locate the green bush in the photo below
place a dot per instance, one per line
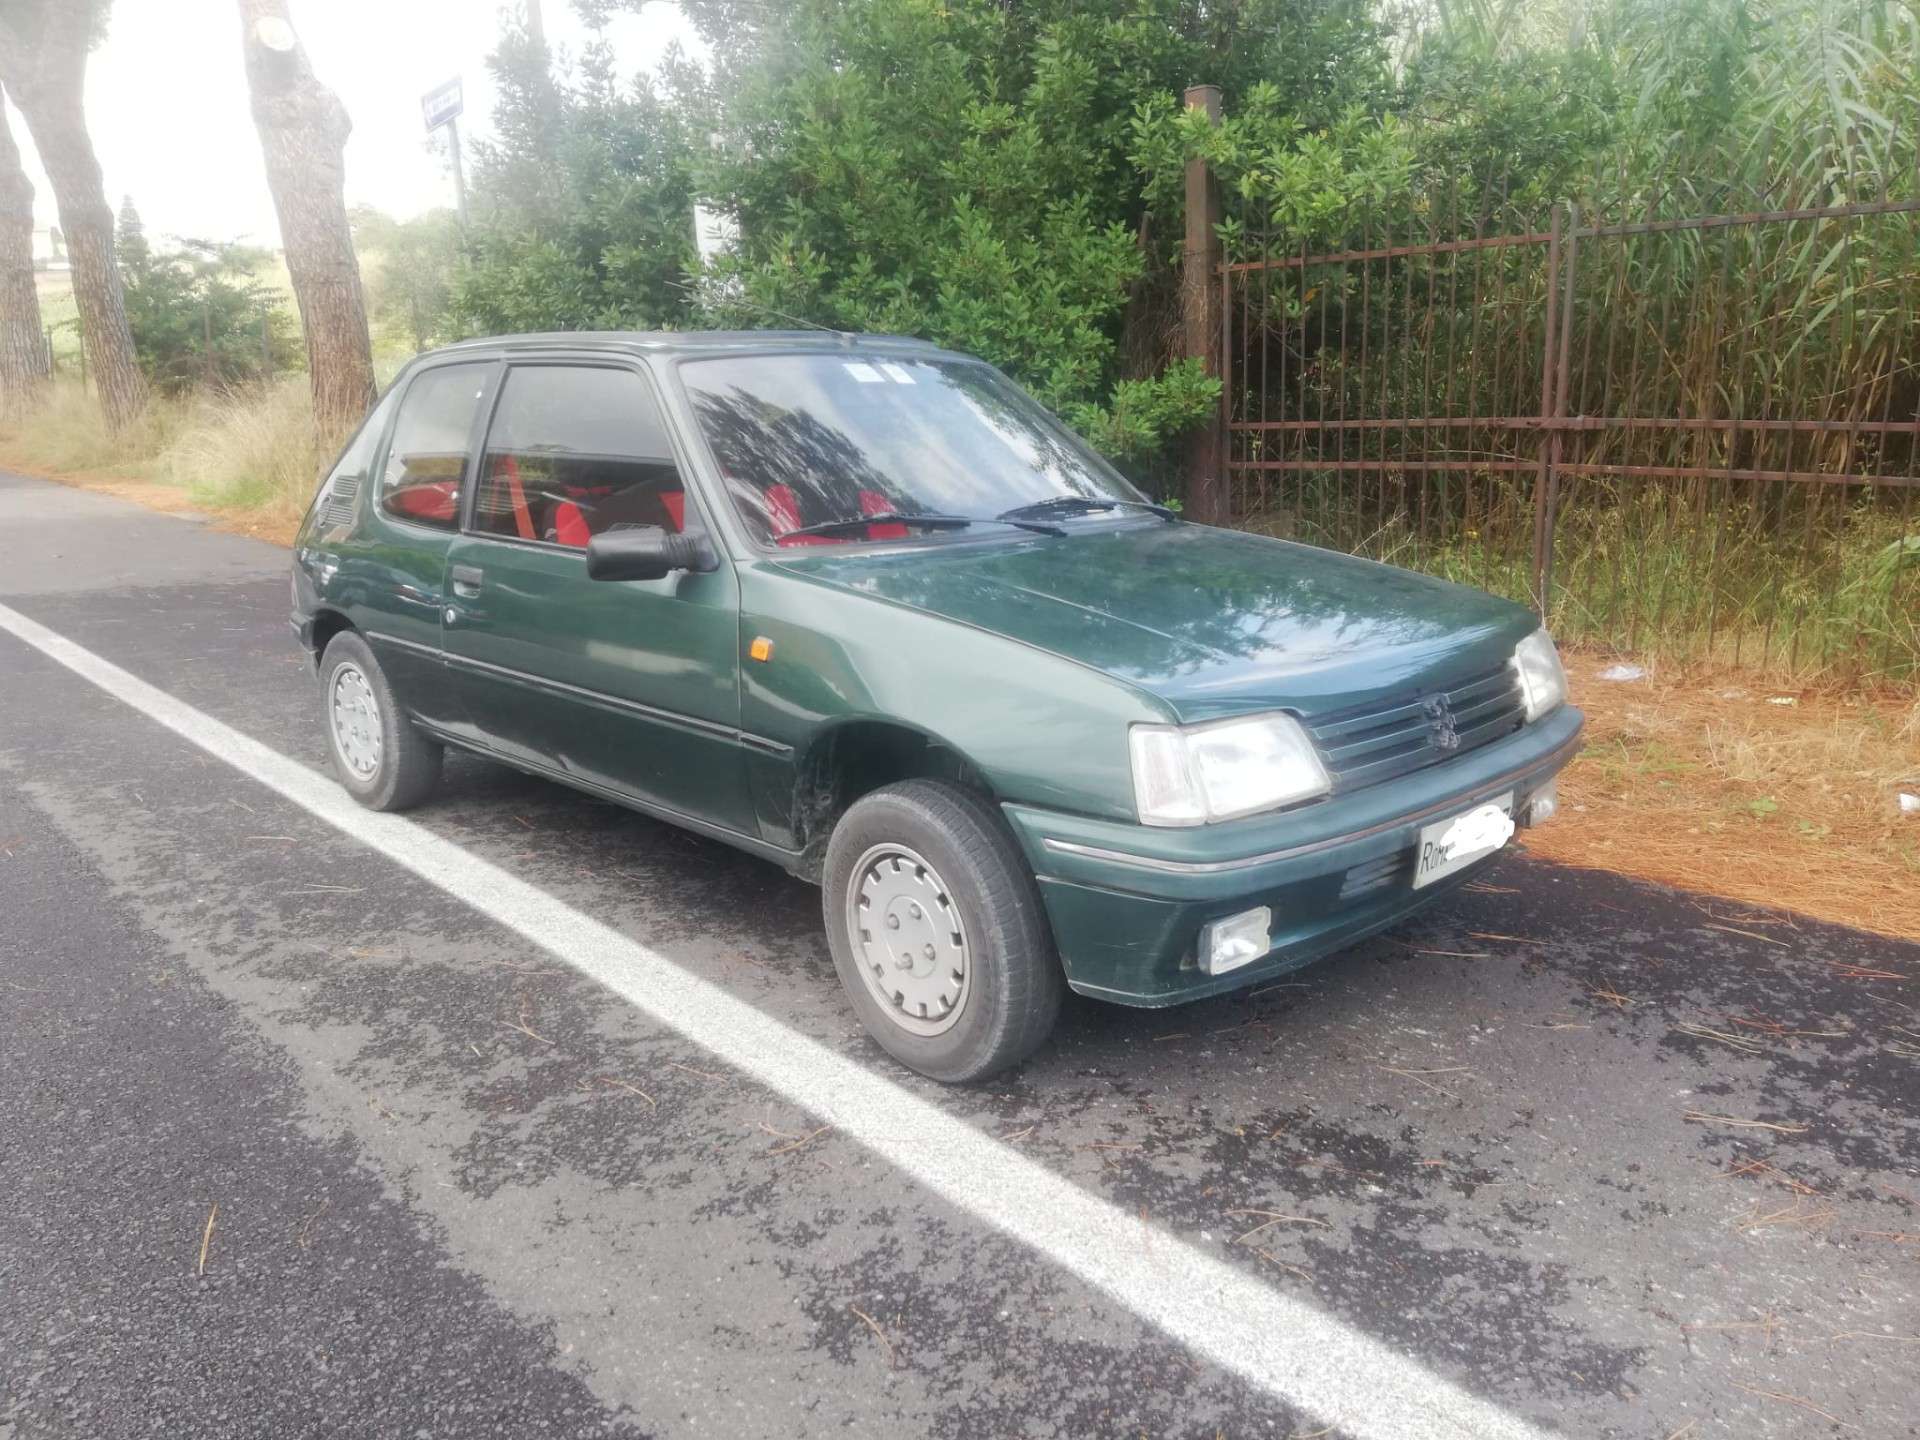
(958, 171)
(409, 267)
(583, 203)
(200, 315)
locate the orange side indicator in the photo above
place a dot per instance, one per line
(761, 648)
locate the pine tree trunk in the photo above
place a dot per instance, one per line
(43, 65)
(23, 344)
(303, 134)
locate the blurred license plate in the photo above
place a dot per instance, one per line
(1457, 841)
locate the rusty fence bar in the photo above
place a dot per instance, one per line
(1553, 393)
(1391, 252)
(1717, 436)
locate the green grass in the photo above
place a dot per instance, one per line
(1801, 584)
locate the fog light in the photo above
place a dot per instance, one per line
(1545, 804)
(1235, 941)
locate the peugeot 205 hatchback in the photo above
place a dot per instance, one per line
(859, 606)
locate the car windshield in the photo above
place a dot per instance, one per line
(820, 442)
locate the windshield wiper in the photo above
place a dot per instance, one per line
(925, 522)
(1065, 505)
(883, 517)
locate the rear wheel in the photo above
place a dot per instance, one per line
(938, 932)
(384, 762)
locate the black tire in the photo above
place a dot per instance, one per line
(408, 764)
(1015, 984)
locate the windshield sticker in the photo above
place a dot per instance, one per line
(897, 373)
(864, 373)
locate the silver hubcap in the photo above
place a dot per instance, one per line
(908, 939)
(356, 721)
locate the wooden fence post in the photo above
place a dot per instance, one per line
(1207, 500)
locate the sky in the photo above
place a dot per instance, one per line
(167, 102)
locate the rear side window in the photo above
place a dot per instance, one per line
(431, 439)
(574, 451)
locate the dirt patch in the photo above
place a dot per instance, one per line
(1712, 780)
(170, 499)
(274, 527)
(154, 494)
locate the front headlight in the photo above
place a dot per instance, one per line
(1196, 774)
(1543, 684)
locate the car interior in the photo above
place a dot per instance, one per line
(567, 499)
(427, 488)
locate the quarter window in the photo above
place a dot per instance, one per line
(340, 491)
(431, 441)
(576, 450)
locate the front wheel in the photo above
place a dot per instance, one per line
(938, 933)
(384, 762)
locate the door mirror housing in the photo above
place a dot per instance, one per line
(647, 552)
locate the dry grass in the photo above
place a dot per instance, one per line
(1695, 778)
(67, 434)
(251, 456)
(248, 458)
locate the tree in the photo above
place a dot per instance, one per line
(525, 181)
(23, 345)
(303, 134)
(410, 266)
(963, 172)
(43, 64)
(605, 241)
(130, 233)
(199, 312)
(957, 170)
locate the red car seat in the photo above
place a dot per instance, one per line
(570, 525)
(436, 501)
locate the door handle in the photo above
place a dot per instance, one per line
(466, 580)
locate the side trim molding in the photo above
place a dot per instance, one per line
(596, 697)
(752, 844)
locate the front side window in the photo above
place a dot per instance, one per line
(431, 439)
(574, 451)
(811, 440)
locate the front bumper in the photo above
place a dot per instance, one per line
(1127, 901)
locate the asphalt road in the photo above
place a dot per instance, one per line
(1614, 1159)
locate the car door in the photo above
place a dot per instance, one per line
(631, 686)
(393, 575)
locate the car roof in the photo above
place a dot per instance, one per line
(695, 342)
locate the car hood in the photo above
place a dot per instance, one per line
(1213, 622)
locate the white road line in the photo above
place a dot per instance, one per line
(1295, 1351)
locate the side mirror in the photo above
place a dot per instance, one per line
(646, 552)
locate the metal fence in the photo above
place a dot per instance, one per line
(1689, 434)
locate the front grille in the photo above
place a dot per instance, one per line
(1376, 742)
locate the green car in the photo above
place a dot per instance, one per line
(859, 606)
